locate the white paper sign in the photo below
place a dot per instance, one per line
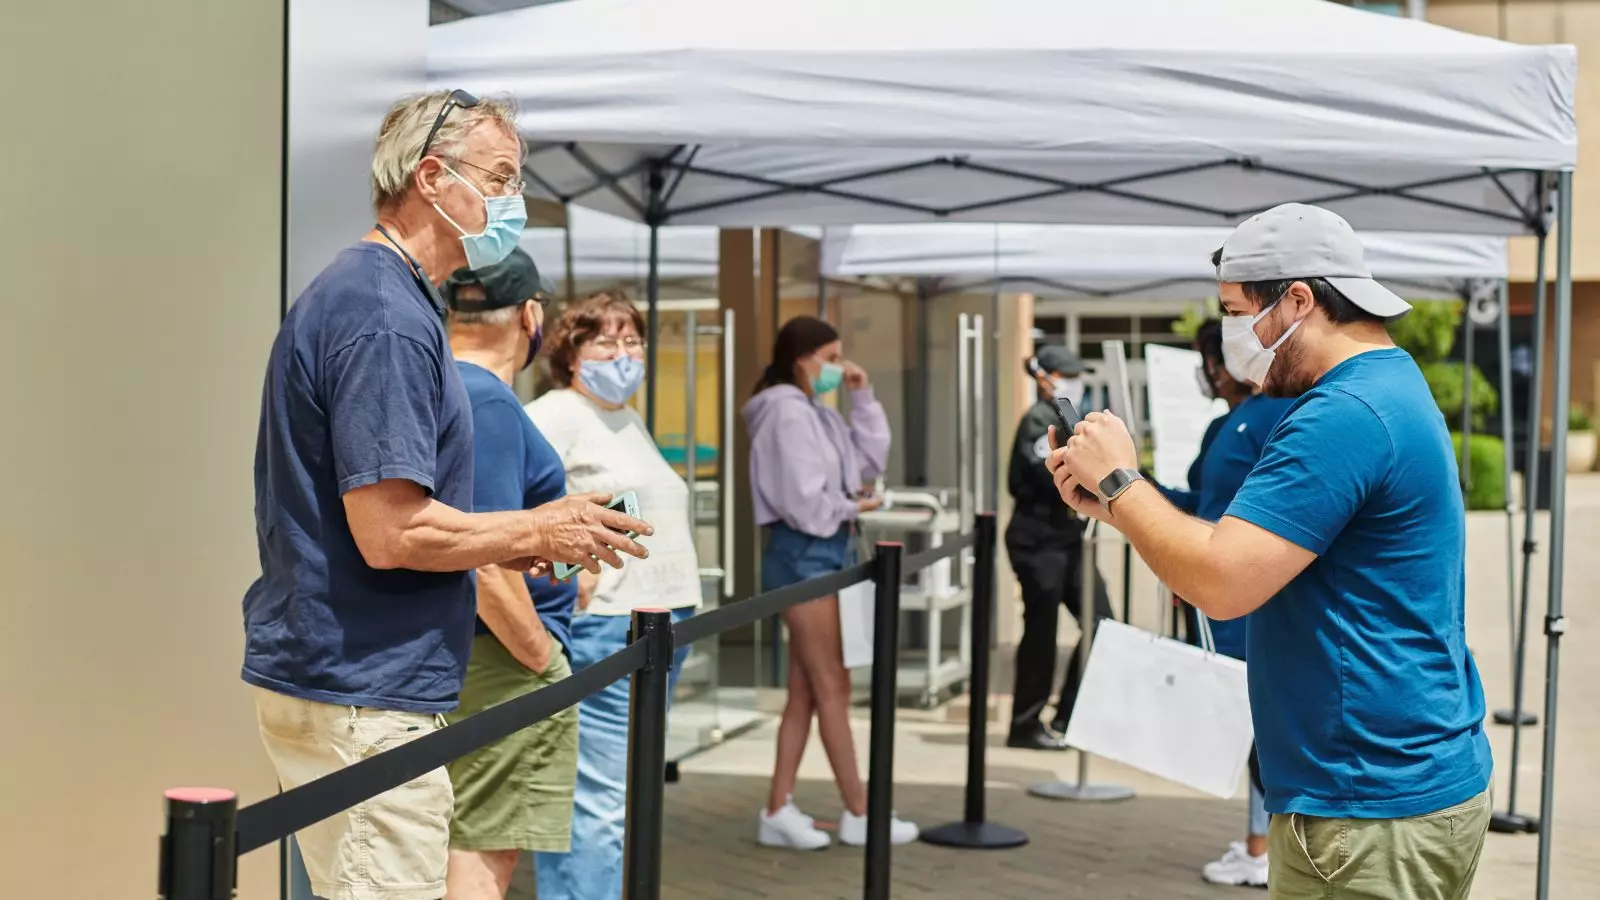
(856, 604)
(1179, 412)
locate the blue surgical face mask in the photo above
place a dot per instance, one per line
(614, 381)
(827, 379)
(502, 226)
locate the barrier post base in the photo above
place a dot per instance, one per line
(1082, 792)
(975, 836)
(1512, 823)
(1506, 717)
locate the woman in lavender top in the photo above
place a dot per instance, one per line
(808, 469)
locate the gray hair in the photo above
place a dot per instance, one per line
(398, 150)
(495, 318)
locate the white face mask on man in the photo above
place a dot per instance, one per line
(1242, 352)
(1067, 389)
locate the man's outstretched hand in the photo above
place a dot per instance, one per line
(580, 530)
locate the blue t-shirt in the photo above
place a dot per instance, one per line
(516, 468)
(360, 388)
(1366, 702)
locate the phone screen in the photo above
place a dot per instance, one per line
(624, 502)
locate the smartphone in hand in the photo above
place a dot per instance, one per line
(628, 503)
(1068, 419)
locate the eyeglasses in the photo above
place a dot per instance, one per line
(510, 185)
(610, 345)
(456, 98)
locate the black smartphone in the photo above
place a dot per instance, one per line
(1067, 420)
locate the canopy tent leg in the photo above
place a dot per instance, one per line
(1555, 624)
(1508, 435)
(1510, 821)
(653, 295)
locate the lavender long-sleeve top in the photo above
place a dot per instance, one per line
(805, 461)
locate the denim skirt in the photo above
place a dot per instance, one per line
(793, 556)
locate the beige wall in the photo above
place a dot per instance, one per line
(141, 252)
(1575, 22)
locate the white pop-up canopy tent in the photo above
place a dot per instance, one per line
(1147, 262)
(607, 250)
(1144, 112)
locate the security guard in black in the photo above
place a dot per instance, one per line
(1045, 542)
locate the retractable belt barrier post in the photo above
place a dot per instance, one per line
(207, 833)
(880, 767)
(972, 831)
(647, 757)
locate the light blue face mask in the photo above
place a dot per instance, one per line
(828, 378)
(502, 226)
(614, 381)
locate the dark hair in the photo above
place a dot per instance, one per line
(798, 337)
(1335, 306)
(1208, 339)
(582, 322)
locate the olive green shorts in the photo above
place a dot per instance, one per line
(515, 794)
(1427, 857)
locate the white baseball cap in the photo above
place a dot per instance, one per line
(1296, 240)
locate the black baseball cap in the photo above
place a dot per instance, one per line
(1059, 360)
(513, 280)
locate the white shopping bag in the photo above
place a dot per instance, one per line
(856, 604)
(1164, 707)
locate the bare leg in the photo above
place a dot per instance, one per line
(479, 875)
(815, 643)
(793, 732)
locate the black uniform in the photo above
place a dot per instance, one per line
(1045, 542)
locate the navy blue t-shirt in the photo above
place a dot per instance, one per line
(1366, 702)
(516, 468)
(360, 388)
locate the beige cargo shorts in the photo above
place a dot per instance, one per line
(394, 846)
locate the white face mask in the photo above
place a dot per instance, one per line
(1242, 353)
(1067, 389)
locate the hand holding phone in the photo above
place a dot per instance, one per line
(626, 503)
(1068, 418)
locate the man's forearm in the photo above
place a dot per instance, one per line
(1175, 545)
(440, 538)
(506, 607)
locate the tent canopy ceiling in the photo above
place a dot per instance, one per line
(1155, 112)
(1155, 263)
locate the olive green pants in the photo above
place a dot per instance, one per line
(1428, 857)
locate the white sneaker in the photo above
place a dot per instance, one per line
(1238, 867)
(853, 830)
(791, 828)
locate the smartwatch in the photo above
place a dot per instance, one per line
(1118, 481)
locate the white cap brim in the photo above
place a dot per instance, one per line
(1370, 296)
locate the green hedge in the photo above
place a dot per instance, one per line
(1487, 458)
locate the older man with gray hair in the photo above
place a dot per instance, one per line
(358, 631)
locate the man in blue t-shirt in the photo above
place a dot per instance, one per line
(357, 631)
(1346, 545)
(514, 795)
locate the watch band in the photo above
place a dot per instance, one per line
(1112, 486)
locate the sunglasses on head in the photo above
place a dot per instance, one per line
(456, 98)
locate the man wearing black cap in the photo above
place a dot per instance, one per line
(1045, 543)
(516, 794)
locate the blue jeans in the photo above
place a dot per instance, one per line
(793, 556)
(1259, 818)
(593, 868)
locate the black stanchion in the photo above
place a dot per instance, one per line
(972, 831)
(880, 767)
(198, 861)
(647, 757)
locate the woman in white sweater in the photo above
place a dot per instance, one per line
(596, 353)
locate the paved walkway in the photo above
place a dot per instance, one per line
(1151, 846)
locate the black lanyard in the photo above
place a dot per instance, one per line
(428, 290)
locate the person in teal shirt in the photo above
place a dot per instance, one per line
(1346, 545)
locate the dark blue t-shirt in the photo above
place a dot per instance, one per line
(1235, 445)
(360, 388)
(1366, 702)
(516, 468)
